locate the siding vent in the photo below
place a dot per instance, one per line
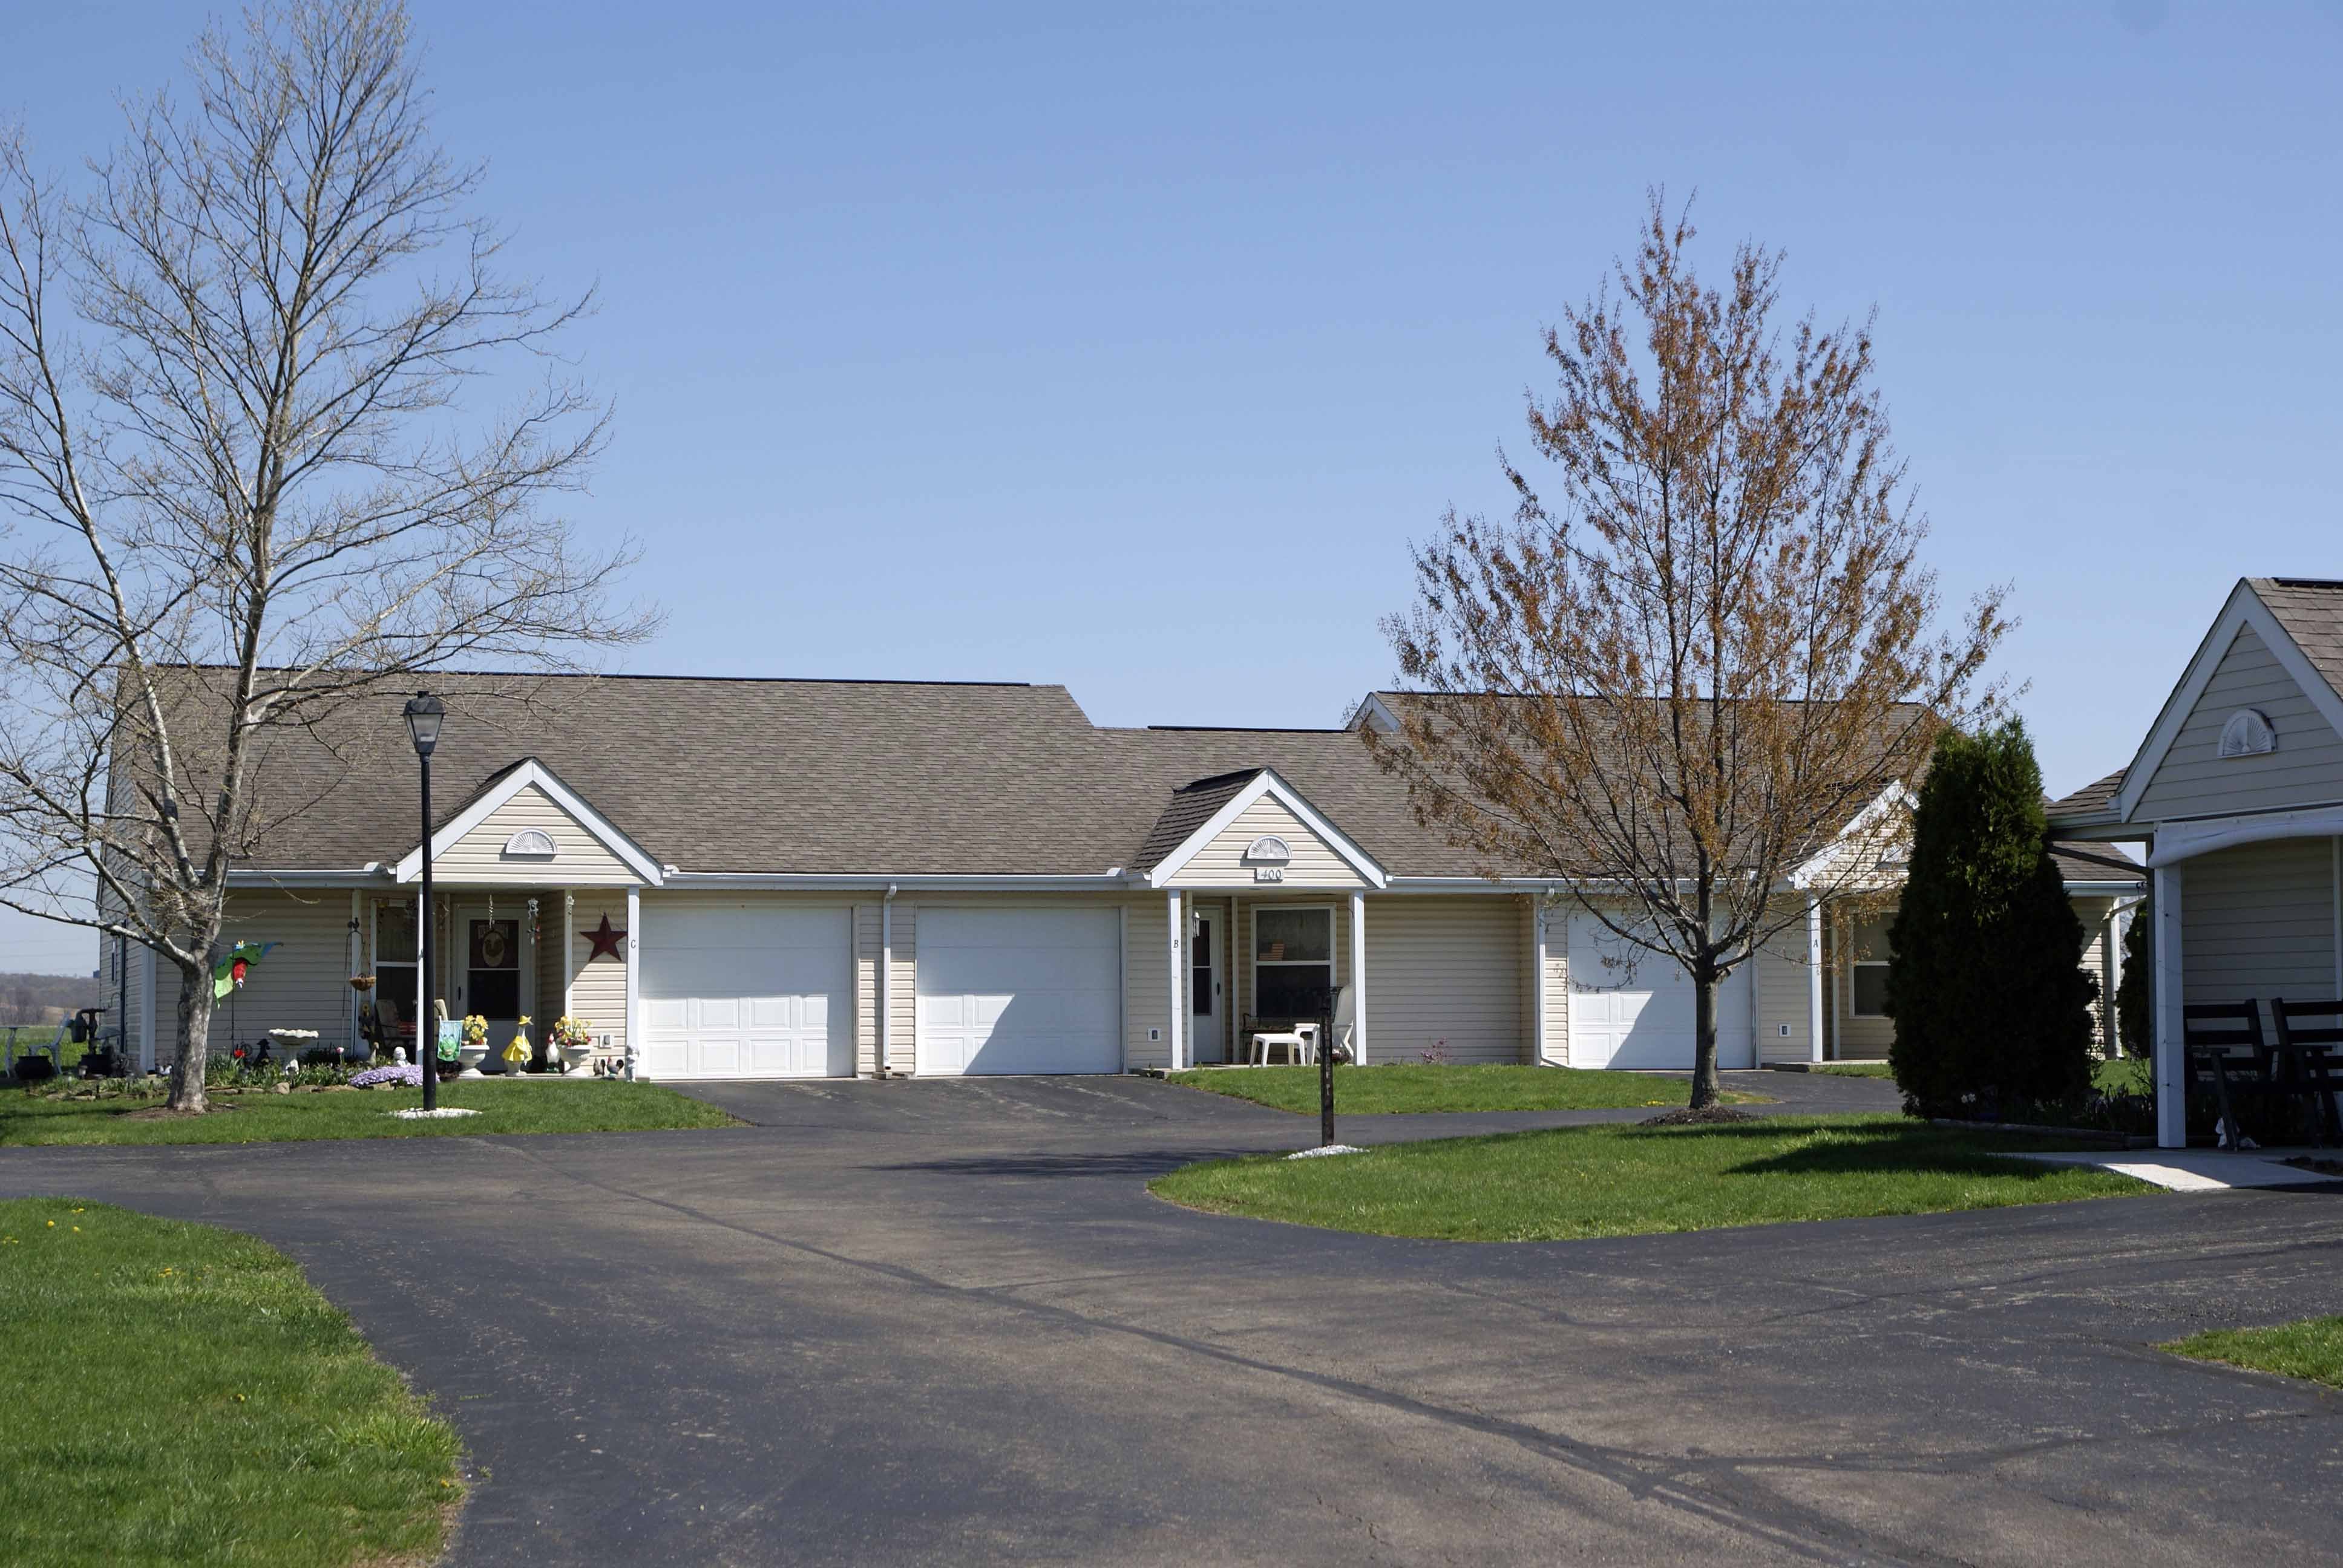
(2248, 733)
(529, 844)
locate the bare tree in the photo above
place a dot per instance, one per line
(1687, 687)
(242, 493)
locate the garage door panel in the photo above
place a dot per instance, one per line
(1018, 990)
(747, 992)
(1633, 1008)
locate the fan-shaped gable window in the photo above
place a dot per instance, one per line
(2248, 734)
(529, 844)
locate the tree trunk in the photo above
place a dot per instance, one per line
(194, 1040)
(1706, 1091)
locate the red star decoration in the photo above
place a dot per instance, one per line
(606, 941)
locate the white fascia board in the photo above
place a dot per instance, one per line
(532, 772)
(1894, 796)
(2108, 888)
(354, 876)
(2245, 608)
(1266, 783)
(859, 881)
(1373, 712)
(2184, 841)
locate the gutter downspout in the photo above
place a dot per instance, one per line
(886, 960)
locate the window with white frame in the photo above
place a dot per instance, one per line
(1292, 961)
(396, 963)
(1867, 966)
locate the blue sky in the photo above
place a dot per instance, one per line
(1129, 348)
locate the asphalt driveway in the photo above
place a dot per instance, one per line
(944, 1321)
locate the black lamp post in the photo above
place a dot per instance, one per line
(424, 713)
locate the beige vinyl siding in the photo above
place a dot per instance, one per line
(2258, 920)
(1526, 966)
(1557, 984)
(1852, 1037)
(1221, 861)
(579, 859)
(303, 983)
(2092, 912)
(2193, 780)
(1447, 972)
(598, 988)
(902, 988)
(1782, 979)
(1146, 985)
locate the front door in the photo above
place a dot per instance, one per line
(1206, 1040)
(493, 978)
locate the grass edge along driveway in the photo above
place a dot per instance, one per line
(1404, 1089)
(2309, 1348)
(1573, 1184)
(599, 1105)
(180, 1394)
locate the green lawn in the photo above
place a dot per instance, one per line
(2125, 1074)
(1571, 1183)
(179, 1394)
(259, 1117)
(1403, 1088)
(2311, 1349)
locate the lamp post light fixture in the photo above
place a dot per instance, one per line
(424, 714)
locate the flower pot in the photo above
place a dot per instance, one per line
(469, 1058)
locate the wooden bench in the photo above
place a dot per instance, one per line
(2222, 1045)
(2312, 1057)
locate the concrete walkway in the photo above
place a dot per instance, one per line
(2207, 1170)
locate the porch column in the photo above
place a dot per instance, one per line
(2171, 1072)
(568, 949)
(1358, 978)
(1173, 914)
(634, 974)
(1813, 980)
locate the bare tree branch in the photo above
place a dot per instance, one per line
(1688, 688)
(239, 492)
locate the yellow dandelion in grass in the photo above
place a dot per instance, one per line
(52, 1224)
(76, 1230)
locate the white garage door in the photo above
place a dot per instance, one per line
(1630, 1008)
(1020, 990)
(746, 992)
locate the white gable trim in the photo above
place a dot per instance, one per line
(1266, 784)
(1894, 797)
(2245, 608)
(2186, 840)
(1373, 713)
(533, 773)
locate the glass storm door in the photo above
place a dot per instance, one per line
(494, 982)
(1204, 1036)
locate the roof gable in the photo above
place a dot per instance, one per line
(2248, 663)
(1258, 829)
(495, 836)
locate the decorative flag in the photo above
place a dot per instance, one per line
(227, 975)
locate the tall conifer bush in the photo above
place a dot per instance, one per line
(1991, 1005)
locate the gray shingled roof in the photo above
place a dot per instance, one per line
(2084, 866)
(2311, 611)
(1193, 806)
(864, 778)
(2091, 799)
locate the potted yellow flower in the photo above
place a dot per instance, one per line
(475, 1048)
(519, 1052)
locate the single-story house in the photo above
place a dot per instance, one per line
(786, 878)
(2237, 796)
